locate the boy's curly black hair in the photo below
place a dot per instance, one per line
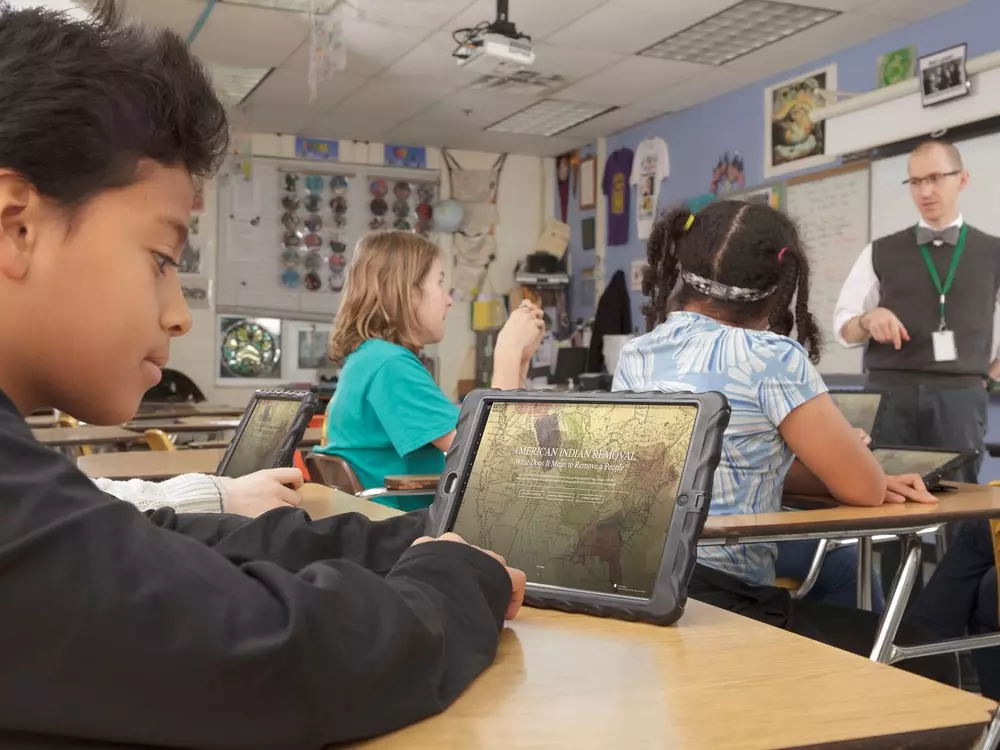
(83, 102)
(738, 244)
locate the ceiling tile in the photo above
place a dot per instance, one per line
(431, 59)
(333, 125)
(841, 6)
(420, 14)
(519, 144)
(290, 88)
(571, 63)
(440, 136)
(250, 37)
(473, 108)
(630, 81)
(702, 87)
(391, 101)
(267, 119)
(613, 122)
(536, 18)
(371, 47)
(179, 15)
(909, 10)
(628, 26)
(814, 43)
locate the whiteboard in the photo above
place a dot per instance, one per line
(832, 214)
(893, 209)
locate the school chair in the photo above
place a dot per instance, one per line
(335, 472)
(65, 420)
(158, 440)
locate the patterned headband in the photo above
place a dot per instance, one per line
(724, 292)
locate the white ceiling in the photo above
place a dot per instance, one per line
(402, 86)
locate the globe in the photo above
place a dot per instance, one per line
(448, 216)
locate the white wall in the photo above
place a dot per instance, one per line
(524, 204)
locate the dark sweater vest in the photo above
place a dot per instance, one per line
(906, 288)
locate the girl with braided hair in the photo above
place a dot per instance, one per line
(728, 311)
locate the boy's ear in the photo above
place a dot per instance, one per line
(16, 234)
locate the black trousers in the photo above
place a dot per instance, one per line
(845, 628)
(961, 597)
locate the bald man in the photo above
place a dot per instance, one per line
(923, 302)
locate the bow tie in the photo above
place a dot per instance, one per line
(928, 236)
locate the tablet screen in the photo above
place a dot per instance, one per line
(901, 461)
(259, 445)
(860, 409)
(578, 495)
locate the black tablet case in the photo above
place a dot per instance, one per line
(307, 407)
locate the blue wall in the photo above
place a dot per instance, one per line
(697, 136)
(582, 302)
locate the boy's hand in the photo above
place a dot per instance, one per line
(261, 491)
(905, 487)
(518, 579)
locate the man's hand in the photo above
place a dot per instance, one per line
(518, 579)
(907, 487)
(261, 491)
(883, 326)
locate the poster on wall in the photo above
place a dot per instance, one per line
(249, 348)
(896, 66)
(728, 174)
(792, 141)
(317, 148)
(638, 266)
(411, 157)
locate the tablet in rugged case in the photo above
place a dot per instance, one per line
(933, 464)
(598, 497)
(271, 428)
(861, 408)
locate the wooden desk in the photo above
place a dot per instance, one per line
(714, 681)
(62, 437)
(175, 411)
(312, 436)
(177, 425)
(41, 420)
(151, 465)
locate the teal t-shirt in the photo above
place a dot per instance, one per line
(383, 416)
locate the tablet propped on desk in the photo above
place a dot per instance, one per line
(598, 497)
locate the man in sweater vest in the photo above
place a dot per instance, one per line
(923, 301)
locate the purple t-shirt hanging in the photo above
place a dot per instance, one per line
(616, 188)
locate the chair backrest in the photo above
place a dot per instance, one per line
(158, 440)
(333, 471)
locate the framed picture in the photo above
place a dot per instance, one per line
(588, 183)
(943, 76)
(792, 141)
(896, 66)
(307, 345)
(249, 351)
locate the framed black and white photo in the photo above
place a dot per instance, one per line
(943, 76)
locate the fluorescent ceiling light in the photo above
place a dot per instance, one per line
(298, 6)
(549, 117)
(233, 85)
(737, 31)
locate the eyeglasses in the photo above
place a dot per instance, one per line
(933, 179)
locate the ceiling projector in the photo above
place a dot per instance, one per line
(487, 47)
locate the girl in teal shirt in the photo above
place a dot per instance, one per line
(388, 416)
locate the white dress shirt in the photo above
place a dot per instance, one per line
(861, 293)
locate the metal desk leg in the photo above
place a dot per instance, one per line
(884, 651)
(991, 737)
(865, 573)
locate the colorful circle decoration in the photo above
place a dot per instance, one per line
(339, 185)
(291, 239)
(425, 211)
(248, 349)
(401, 209)
(379, 207)
(339, 222)
(313, 260)
(402, 225)
(291, 278)
(339, 206)
(313, 282)
(291, 183)
(290, 257)
(313, 240)
(314, 222)
(290, 203)
(313, 202)
(337, 261)
(425, 193)
(337, 247)
(315, 183)
(336, 281)
(376, 223)
(402, 191)
(290, 222)
(378, 188)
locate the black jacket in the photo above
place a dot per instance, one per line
(613, 317)
(215, 632)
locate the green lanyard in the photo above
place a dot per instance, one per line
(950, 279)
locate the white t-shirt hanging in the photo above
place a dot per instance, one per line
(650, 167)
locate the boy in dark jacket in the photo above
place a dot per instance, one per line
(170, 630)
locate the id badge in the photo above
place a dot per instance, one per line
(944, 346)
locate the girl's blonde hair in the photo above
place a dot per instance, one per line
(388, 267)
